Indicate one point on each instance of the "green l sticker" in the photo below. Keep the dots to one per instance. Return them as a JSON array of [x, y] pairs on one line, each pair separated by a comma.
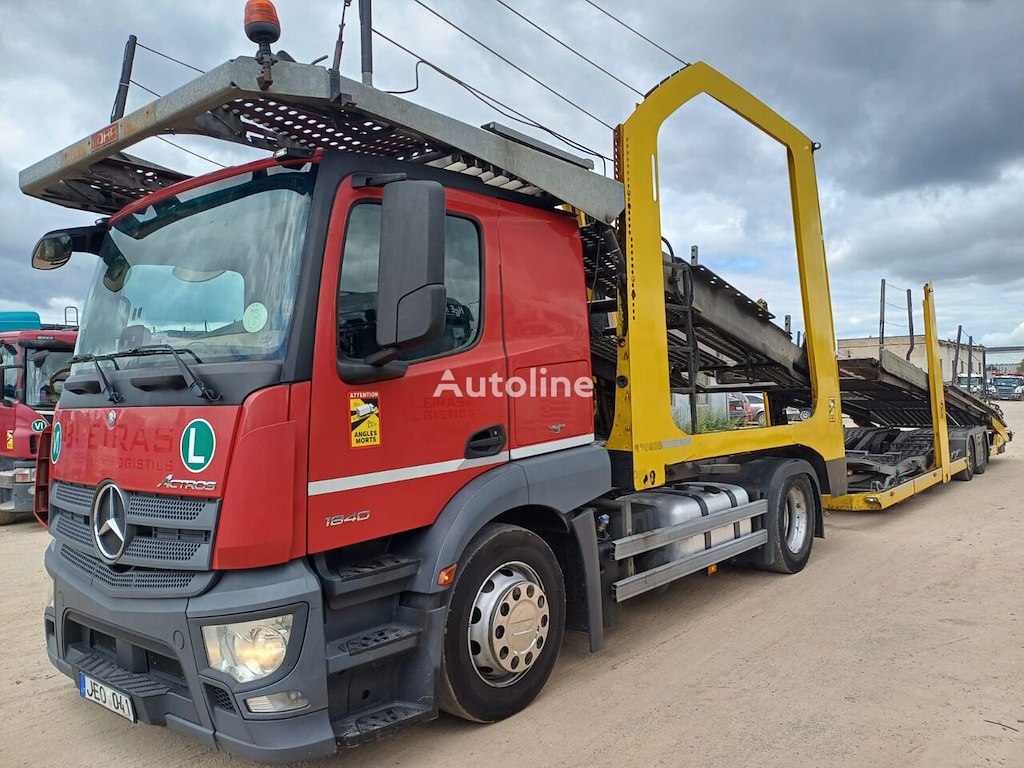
[[198, 444], [55, 443]]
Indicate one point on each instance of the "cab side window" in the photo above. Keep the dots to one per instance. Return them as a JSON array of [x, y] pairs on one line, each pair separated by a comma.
[[357, 290], [9, 359]]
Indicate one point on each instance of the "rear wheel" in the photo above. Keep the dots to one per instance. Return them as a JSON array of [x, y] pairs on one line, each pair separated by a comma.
[[761, 419], [981, 455], [968, 473], [506, 618], [791, 514]]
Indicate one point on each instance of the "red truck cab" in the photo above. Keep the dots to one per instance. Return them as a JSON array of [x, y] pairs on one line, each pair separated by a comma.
[[34, 359], [239, 461]]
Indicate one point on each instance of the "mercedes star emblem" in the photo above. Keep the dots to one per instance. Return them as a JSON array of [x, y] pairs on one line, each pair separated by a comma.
[[110, 522]]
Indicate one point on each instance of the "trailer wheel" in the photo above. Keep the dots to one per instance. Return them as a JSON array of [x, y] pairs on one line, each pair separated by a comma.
[[980, 455], [967, 474], [505, 622], [791, 513]]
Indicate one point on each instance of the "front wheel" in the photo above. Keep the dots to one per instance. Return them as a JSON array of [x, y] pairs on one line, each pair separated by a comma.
[[505, 622]]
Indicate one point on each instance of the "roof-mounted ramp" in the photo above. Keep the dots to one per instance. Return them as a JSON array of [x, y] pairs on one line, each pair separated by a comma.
[[313, 108]]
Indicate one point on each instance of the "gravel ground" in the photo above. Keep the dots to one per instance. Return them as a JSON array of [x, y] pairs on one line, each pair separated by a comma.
[[902, 643]]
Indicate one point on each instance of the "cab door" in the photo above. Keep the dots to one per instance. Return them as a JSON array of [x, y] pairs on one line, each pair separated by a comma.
[[386, 456], [9, 376]]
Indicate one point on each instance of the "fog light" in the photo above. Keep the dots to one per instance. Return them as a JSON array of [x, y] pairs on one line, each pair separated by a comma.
[[25, 475], [249, 650], [286, 701]]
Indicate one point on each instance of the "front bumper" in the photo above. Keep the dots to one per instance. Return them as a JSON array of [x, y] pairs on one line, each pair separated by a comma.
[[17, 488], [151, 649]]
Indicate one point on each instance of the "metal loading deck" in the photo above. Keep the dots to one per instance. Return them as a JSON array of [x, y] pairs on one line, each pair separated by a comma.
[[891, 392], [310, 108], [736, 341]]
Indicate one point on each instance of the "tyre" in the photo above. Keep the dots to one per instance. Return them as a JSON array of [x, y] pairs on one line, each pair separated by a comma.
[[791, 514], [805, 414], [967, 474], [506, 618], [761, 421], [981, 455]]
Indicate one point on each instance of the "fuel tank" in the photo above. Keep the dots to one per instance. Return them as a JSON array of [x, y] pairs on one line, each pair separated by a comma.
[[680, 503]]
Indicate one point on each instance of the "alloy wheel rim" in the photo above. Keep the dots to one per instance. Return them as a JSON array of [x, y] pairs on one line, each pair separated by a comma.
[[508, 624], [796, 519]]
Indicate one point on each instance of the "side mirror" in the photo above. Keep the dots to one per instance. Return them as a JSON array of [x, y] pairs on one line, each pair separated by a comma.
[[54, 249], [52, 252], [410, 276]]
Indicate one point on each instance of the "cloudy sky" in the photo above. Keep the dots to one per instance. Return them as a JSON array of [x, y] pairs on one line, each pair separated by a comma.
[[918, 105]]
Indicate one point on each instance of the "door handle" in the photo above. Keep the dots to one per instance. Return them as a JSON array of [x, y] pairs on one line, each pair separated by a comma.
[[486, 442]]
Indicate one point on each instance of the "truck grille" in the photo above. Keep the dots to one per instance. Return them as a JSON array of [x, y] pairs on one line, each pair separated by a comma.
[[158, 549], [165, 508], [139, 582], [170, 540], [70, 528], [72, 495], [75, 529]]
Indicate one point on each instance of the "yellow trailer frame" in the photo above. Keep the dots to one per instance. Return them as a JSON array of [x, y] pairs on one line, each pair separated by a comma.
[[643, 429], [944, 468]]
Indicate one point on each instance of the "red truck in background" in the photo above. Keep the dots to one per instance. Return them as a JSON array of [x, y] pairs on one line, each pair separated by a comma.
[[34, 360]]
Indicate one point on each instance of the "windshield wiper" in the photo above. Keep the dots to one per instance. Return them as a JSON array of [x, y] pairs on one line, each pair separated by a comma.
[[193, 382], [108, 389]]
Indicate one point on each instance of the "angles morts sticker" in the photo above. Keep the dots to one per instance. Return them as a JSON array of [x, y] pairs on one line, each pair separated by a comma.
[[364, 418]]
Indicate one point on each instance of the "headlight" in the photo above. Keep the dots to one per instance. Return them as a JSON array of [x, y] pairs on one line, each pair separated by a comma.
[[249, 650]]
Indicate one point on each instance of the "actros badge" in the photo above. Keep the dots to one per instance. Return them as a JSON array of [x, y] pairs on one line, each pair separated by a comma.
[[187, 485]]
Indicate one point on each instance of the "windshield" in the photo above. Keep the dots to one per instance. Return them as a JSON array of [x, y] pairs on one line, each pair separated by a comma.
[[212, 269], [46, 373], [1006, 381]]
